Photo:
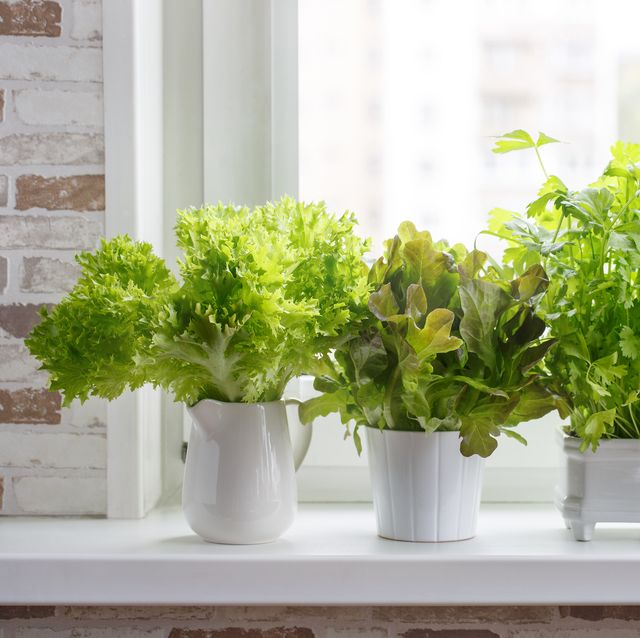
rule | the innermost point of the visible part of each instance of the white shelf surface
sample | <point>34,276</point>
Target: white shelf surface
<point>331,555</point>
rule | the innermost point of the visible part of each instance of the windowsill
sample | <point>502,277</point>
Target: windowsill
<point>522,555</point>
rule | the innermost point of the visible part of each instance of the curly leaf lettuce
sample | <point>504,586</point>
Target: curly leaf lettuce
<point>90,341</point>
<point>265,293</point>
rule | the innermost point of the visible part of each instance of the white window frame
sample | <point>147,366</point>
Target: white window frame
<point>183,82</point>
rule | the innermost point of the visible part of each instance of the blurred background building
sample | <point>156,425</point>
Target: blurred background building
<point>399,102</point>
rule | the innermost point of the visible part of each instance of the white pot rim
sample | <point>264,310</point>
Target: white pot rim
<point>391,432</point>
<point>228,403</point>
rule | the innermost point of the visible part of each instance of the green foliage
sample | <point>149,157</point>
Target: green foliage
<point>449,345</point>
<point>89,341</point>
<point>264,292</point>
<point>588,242</point>
<point>263,295</point>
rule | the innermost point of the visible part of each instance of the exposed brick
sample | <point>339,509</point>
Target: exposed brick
<point>72,233</point>
<point>17,320</point>
<point>610,612</point>
<point>64,63</point>
<point>88,632</point>
<point>82,614</point>
<point>53,107</point>
<point>61,495</point>
<point>51,148</point>
<point>47,274</point>
<point>602,632</point>
<point>87,20</point>
<point>16,364</point>
<point>465,614</point>
<point>237,632</point>
<point>374,632</point>
<point>3,274</point>
<point>29,405</point>
<point>15,612</point>
<point>30,17</point>
<point>1,105</point>
<point>79,192</point>
<point>449,633</point>
<point>4,190</point>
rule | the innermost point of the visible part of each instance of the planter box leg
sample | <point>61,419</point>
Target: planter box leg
<point>582,531</point>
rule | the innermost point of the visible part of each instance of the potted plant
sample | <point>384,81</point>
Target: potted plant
<point>445,361</point>
<point>588,241</point>
<point>261,294</point>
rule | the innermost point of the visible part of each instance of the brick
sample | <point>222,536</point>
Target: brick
<point>609,612</point>
<point>238,632</point>
<point>47,274</point>
<point>465,614</point>
<point>42,107</point>
<point>30,17</point>
<point>603,632</point>
<point>84,614</point>
<point>1,105</point>
<point>61,495</point>
<point>87,20</point>
<point>17,320</point>
<point>29,405</point>
<point>78,192</point>
<point>51,148</point>
<point>3,274</point>
<point>449,633</point>
<point>57,450</point>
<point>364,633</point>
<point>279,614</point>
<point>72,233</point>
<point>92,414</point>
<point>4,190</point>
<point>88,632</point>
<point>58,63</point>
<point>20,612</point>
<point>17,365</point>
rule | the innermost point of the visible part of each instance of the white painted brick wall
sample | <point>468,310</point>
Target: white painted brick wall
<point>49,232</point>
<point>51,148</point>
<point>53,63</point>
<point>52,450</point>
<point>87,20</point>
<point>60,495</point>
<point>51,126</point>
<point>58,107</point>
<point>17,365</point>
<point>47,274</point>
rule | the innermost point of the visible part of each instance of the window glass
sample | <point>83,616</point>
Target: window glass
<point>399,100</point>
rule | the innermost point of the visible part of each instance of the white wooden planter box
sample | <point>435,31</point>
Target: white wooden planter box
<point>599,487</point>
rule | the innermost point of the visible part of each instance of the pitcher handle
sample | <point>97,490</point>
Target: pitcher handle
<point>303,443</point>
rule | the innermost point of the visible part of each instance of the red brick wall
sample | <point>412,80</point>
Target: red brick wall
<point>320,622</point>
<point>51,206</point>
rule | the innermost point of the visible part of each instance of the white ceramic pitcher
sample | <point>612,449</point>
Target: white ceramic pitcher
<point>239,483</point>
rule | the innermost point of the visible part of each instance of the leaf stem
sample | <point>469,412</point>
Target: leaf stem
<point>544,170</point>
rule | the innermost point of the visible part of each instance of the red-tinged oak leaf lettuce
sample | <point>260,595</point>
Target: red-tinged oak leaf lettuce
<point>449,345</point>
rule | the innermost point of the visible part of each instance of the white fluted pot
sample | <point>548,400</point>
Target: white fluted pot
<point>424,489</point>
